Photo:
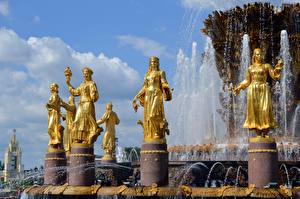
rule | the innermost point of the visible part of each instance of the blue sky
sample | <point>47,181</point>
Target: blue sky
<point>94,26</point>
<point>38,39</point>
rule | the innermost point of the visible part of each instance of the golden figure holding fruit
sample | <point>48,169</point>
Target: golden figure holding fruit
<point>85,129</point>
<point>259,103</point>
<point>152,95</point>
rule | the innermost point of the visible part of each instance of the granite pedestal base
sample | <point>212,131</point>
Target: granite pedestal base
<point>154,164</point>
<point>68,165</point>
<point>55,167</point>
<point>263,162</point>
<point>81,170</point>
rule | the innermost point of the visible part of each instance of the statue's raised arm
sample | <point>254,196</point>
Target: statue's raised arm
<point>259,116</point>
<point>152,95</point>
<point>85,129</point>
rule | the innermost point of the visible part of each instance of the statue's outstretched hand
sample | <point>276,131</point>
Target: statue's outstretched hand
<point>279,64</point>
<point>99,129</point>
<point>236,90</point>
<point>135,105</point>
<point>63,117</point>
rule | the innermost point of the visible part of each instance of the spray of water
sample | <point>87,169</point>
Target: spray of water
<point>241,99</point>
<point>286,80</point>
<point>193,115</point>
<point>296,122</point>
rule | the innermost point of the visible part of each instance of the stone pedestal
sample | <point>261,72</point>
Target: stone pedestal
<point>68,165</point>
<point>262,162</point>
<point>81,171</point>
<point>154,164</point>
<point>55,167</point>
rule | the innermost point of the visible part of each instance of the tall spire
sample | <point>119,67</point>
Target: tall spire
<point>13,159</point>
<point>14,139</point>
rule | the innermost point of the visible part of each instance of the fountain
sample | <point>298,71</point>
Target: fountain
<point>209,154</point>
<point>232,41</point>
<point>199,87</point>
<point>296,122</point>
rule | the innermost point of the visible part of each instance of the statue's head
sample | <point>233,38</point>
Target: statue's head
<point>54,88</point>
<point>109,106</point>
<point>257,56</point>
<point>154,63</point>
<point>87,73</point>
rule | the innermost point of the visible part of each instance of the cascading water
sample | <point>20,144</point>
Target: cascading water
<point>296,122</point>
<point>285,83</point>
<point>201,115</point>
<point>193,115</point>
<point>195,112</point>
<point>241,99</point>
<point>276,105</point>
<point>121,154</point>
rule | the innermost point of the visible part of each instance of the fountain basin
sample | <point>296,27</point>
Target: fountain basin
<point>157,192</point>
<point>287,151</point>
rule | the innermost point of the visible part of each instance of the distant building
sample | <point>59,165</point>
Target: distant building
<point>1,173</point>
<point>13,168</point>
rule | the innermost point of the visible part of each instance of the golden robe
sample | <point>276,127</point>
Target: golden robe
<point>110,119</point>
<point>70,116</point>
<point>259,102</point>
<point>84,125</point>
<point>151,98</point>
<point>54,127</point>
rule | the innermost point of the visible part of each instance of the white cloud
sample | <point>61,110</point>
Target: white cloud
<point>13,49</point>
<point>4,8</point>
<point>286,1</point>
<point>28,66</point>
<point>49,56</point>
<point>226,4</point>
<point>147,46</point>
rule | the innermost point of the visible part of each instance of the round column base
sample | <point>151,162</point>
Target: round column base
<point>154,164</point>
<point>55,167</point>
<point>262,162</point>
<point>81,171</point>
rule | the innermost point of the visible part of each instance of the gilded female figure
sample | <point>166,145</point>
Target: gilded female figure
<point>259,103</point>
<point>85,128</point>
<point>151,96</point>
<point>55,129</point>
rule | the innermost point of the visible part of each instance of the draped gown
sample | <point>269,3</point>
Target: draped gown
<point>84,125</point>
<point>259,102</point>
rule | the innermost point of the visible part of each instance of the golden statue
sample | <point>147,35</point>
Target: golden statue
<point>110,118</point>
<point>55,129</point>
<point>69,118</point>
<point>152,95</point>
<point>259,104</point>
<point>85,128</point>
